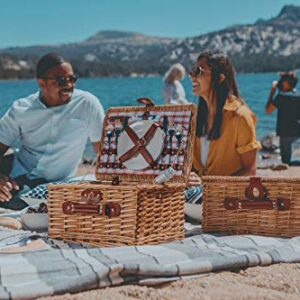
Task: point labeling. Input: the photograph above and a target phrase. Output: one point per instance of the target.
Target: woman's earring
(221, 78)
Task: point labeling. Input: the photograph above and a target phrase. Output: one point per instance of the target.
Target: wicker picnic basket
(125, 206)
(251, 205)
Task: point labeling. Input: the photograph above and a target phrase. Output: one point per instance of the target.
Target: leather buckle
(111, 209)
(141, 142)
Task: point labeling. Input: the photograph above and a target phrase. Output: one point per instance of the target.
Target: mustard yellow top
(237, 137)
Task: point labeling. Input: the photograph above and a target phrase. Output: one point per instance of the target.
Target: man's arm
(97, 116)
(6, 183)
(248, 161)
(96, 147)
(269, 105)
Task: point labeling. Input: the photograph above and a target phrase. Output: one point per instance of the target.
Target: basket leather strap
(140, 144)
(90, 205)
(256, 190)
(256, 198)
(146, 101)
(110, 209)
(231, 203)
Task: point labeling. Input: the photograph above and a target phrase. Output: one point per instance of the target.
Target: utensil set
(170, 154)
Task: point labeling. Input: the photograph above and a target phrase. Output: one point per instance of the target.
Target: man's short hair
(289, 77)
(47, 62)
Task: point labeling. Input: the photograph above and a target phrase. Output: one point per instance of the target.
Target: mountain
(266, 45)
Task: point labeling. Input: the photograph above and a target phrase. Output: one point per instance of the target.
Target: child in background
(287, 102)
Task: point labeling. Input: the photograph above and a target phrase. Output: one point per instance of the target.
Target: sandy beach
(273, 282)
(280, 281)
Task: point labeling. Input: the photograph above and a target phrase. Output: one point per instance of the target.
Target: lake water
(254, 89)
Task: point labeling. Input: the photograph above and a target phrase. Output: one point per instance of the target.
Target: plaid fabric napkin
(193, 195)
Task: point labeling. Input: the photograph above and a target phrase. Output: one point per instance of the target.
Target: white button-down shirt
(52, 139)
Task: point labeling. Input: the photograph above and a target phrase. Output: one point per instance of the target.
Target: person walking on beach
(287, 102)
(225, 141)
(173, 91)
(52, 127)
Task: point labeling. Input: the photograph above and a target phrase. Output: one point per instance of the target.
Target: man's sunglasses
(63, 80)
(196, 71)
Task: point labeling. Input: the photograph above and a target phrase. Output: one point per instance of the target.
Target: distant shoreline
(152, 75)
(89, 77)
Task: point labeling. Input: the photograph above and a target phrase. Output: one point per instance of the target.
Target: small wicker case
(241, 205)
(124, 206)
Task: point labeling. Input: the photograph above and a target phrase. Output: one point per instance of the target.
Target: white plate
(154, 147)
(35, 221)
(194, 211)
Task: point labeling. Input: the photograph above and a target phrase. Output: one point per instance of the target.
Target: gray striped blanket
(72, 268)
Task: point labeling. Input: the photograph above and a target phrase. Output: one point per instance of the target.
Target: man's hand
(7, 185)
(274, 85)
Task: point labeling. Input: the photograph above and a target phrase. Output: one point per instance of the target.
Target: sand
(281, 281)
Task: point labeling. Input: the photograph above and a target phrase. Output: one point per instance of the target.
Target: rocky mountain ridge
(266, 45)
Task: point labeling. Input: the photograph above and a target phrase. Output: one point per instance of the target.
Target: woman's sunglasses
(63, 80)
(196, 71)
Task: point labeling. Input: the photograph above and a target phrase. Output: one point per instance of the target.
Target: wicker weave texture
(267, 222)
(160, 214)
(150, 214)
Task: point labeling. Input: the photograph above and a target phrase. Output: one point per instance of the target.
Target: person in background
(173, 91)
(52, 127)
(287, 102)
(225, 141)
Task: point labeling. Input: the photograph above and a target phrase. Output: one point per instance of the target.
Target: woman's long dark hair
(219, 64)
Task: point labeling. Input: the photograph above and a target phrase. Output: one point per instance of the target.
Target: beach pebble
(204, 284)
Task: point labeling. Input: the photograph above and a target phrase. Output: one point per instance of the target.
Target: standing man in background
(52, 126)
(287, 102)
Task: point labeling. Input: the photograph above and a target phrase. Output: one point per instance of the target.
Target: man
(52, 126)
(287, 102)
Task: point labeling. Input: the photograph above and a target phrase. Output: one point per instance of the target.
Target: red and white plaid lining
(177, 118)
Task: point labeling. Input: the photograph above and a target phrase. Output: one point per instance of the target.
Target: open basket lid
(140, 142)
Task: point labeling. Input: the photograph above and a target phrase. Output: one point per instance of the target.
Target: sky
(40, 22)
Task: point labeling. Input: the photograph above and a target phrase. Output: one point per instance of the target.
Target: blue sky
(36, 22)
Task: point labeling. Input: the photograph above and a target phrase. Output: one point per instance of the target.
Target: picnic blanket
(72, 268)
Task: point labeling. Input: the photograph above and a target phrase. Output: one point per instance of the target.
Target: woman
(225, 135)
(173, 91)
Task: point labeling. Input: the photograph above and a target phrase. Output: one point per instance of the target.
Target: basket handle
(146, 101)
(256, 198)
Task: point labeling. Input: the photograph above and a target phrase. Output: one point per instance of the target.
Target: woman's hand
(7, 185)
